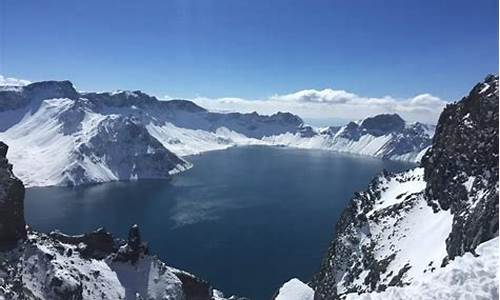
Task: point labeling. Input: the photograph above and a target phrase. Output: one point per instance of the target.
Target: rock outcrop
(12, 224)
(461, 168)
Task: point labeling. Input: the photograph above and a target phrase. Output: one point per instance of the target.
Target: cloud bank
(7, 81)
(333, 104)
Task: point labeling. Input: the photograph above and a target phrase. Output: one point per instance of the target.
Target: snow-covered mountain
(90, 266)
(60, 136)
(385, 136)
(430, 232)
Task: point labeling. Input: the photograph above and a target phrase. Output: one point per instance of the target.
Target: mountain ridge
(52, 117)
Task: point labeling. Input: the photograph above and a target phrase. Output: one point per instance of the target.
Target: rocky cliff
(12, 225)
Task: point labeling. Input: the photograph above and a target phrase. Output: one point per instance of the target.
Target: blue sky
(253, 49)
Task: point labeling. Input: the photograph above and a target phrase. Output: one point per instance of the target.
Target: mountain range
(60, 136)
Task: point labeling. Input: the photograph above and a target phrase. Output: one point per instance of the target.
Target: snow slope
(65, 143)
(466, 277)
(405, 141)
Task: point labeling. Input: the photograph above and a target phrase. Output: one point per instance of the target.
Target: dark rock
(134, 249)
(98, 244)
(193, 287)
(12, 224)
(465, 155)
(382, 124)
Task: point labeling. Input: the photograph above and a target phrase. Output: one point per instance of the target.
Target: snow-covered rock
(294, 289)
(430, 232)
(64, 137)
(382, 136)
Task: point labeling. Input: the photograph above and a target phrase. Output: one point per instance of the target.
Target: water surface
(247, 219)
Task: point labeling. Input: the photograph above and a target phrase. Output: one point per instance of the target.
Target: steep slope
(89, 266)
(62, 141)
(429, 229)
(462, 167)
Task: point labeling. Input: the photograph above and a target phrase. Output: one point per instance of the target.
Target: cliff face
(406, 226)
(461, 169)
(12, 225)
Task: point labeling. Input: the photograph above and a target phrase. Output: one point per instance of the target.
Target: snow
(39, 151)
(367, 145)
(46, 147)
(395, 189)
(294, 289)
(466, 277)
(468, 184)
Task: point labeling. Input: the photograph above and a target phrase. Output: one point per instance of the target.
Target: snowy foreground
(44, 267)
(59, 136)
(467, 277)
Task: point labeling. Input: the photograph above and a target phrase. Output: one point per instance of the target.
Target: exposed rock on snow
(413, 235)
(466, 277)
(462, 167)
(63, 137)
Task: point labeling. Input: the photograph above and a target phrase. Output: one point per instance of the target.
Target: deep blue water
(247, 219)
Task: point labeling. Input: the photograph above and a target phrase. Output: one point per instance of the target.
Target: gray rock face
(463, 163)
(12, 224)
(125, 146)
(404, 138)
(382, 124)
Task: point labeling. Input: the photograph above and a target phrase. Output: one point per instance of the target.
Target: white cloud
(7, 81)
(333, 104)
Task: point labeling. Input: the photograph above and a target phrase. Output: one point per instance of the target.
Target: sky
(309, 57)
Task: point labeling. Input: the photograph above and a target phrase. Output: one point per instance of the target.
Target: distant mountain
(430, 232)
(60, 136)
(89, 266)
(384, 136)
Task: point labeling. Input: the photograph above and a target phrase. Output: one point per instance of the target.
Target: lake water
(246, 219)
